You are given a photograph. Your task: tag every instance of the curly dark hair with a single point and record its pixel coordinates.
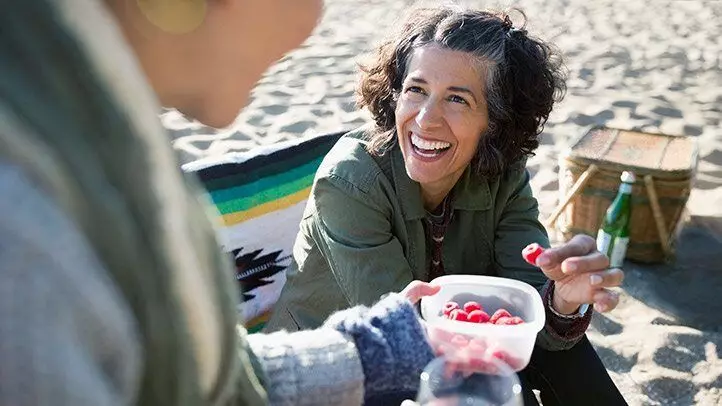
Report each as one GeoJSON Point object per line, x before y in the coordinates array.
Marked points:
{"type": "Point", "coordinates": [524, 78]}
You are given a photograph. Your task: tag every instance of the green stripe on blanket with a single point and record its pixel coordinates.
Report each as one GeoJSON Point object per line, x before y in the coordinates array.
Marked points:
{"type": "Point", "coordinates": [261, 195]}
{"type": "Point", "coordinates": [268, 184]}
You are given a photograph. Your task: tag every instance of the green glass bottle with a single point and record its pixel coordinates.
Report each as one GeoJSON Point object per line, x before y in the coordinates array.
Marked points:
{"type": "Point", "coordinates": [613, 235]}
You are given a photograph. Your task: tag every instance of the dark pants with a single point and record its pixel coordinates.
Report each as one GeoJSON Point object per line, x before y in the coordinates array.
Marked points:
{"type": "Point", "coordinates": [572, 377]}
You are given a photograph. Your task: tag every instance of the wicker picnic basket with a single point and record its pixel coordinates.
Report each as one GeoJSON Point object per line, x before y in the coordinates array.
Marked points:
{"type": "Point", "coordinates": [589, 178]}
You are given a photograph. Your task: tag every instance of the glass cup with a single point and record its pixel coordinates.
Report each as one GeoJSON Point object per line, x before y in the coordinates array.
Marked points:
{"type": "Point", "coordinates": [446, 383]}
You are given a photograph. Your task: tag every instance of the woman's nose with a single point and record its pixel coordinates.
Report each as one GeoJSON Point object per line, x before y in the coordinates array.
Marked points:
{"type": "Point", "coordinates": [429, 116]}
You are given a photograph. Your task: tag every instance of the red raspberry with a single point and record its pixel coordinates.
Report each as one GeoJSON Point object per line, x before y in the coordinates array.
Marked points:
{"type": "Point", "coordinates": [459, 315]}
{"type": "Point", "coordinates": [478, 316]}
{"type": "Point", "coordinates": [459, 341]}
{"type": "Point", "coordinates": [513, 362]}
{"type": "Point", "coordinates": [477, 346]}
{"type": "Point", "coordinates": [471, 306]}
{"type": "Point", "coordinates": [532, 252]}
{"type": "Point", "coordinates": [500, 354]}
{"type": "Point", "coordinates": [499, 314]}
{"type": "Point", "coordinates": [517, 320]}
{"type": "Point", "coordinates": [449, 307]}
{"type": "Point", "coordinates": [509, 321]}
{"type": "Point", "coordinates": [503, 321]}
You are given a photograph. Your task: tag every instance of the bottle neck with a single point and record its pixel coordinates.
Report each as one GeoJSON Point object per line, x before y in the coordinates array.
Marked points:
{"type": "Point", "coordinates": [625, 189]}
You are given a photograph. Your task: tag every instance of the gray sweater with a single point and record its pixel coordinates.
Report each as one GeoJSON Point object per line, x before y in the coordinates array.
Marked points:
{"type": "Point", "coordinates": [67, 336]}
{"type": "Point", "coordinates": [113, 290]}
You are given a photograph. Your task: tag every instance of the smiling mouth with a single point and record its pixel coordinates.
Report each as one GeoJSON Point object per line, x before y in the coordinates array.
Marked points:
{"type": "Point", "coordinates": [428, 149]}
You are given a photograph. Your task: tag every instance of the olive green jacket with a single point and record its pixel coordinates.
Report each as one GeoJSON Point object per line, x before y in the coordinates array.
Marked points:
{"type": "Point", "coordinates": [362, 234]}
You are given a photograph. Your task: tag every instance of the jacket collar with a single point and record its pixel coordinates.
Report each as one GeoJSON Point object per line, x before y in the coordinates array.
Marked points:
{"type": "Point", "coordinates": [470, 192]}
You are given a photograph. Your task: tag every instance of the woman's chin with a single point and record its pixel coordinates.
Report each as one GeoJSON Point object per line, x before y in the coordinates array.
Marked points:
{"type": "Point", "coordinates": [217, 117]}
{"type": "Point", "coordinates": [422, 177]}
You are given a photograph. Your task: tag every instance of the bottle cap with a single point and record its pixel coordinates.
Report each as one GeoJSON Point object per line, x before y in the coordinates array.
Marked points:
{"type": "Point", "coordinates": [628, 177]}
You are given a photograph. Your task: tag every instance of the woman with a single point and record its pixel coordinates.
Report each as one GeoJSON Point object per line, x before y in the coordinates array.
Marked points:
{"type": "Point", "coordinates": [437, 186]}
{"type": "Point", "coordinates": [112, 288]}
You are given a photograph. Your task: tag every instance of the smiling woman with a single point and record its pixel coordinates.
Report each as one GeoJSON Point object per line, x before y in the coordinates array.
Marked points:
{"type": "Point", "coordinates": [438, 186]}
{"type": "Point", "coordinates": [440, 116]}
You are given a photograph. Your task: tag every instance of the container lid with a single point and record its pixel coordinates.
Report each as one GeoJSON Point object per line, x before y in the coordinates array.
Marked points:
{"type": "Point", "coordinates": [645, 153]}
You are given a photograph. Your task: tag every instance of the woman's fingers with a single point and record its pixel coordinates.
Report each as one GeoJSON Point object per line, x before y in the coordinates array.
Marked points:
{"type": "Point", "coordinates": [605, 300]}
{"type": "Point", "coordinates": [415, 290]}
{"type": "Point", "coordinates": [592, 262]}
{"type": "Point", "coordinates": [610, 278]}
{"type": "Point", "coordinates": [579, 246]}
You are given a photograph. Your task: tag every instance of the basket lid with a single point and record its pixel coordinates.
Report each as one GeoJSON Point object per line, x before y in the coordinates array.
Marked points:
{"type": "Point", "coordinates": [640, 151]}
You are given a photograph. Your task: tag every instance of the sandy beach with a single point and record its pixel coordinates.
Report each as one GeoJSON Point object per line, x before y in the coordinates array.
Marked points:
{"type": "Point", "coordinates": [652, 65]}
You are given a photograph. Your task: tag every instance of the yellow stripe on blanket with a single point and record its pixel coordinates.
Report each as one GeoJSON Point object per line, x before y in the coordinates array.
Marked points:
{"type": "Point", "coordinates": [278, 204]}
{"type": "Point", "coordinates": [257, 324]}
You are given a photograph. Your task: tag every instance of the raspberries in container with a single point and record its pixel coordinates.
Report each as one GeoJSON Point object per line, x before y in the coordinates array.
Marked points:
{"type": "Point", "coordinates": [473, 312]}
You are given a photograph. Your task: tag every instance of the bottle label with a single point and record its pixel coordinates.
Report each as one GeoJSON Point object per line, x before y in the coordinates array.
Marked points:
{"type": "Point", "coordinates": [604, 241]}
{"type": "Point", "coordinates": [613, 247]}
{"type": "Point", "coordinates": [619, 251]}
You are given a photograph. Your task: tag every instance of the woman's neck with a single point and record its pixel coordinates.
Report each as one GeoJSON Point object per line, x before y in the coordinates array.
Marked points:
{"type": "Point", "coordinates": [432, 197]}
{"type": "Point", "coordinates": [432, 194]}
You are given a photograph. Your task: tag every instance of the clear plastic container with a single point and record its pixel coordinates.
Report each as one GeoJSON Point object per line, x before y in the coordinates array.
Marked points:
{"type": "Point", "coordinates": [513, 344]}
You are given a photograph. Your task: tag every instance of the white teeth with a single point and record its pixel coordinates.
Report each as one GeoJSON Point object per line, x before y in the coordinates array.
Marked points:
{"type": "Point", "coordinates": [421, 143]}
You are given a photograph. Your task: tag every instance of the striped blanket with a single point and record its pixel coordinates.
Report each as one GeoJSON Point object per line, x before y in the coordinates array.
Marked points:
{"type": "Point", "coordinates": [261, 195]}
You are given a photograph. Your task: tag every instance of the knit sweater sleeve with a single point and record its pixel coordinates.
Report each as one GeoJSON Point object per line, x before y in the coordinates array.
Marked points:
{"type": "Point", "coordinates": [66, 335]}
{"type": "Point", "coordinates": [360, 356]}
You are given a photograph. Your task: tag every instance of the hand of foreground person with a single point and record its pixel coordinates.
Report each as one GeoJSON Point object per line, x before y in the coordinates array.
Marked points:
{"type": "Point", "coordinates": [581, 275]}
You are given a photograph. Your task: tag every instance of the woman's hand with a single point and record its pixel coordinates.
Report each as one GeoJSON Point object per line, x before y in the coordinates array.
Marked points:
{"type": "Point", "coordinates": [415, 290]}
{"type": "Point", "coordinates": [580, 275]}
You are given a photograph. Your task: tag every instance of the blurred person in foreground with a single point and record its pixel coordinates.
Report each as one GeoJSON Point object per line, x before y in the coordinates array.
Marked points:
{"type": "Point", "coordinates": [113, 290]}
{"type": "Point", "coordinates": [438, 185]}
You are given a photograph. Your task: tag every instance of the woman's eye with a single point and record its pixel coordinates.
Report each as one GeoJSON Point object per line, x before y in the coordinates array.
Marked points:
{"type": "Point", "coordinates": [458, 99]}
{"type": "Point", "coordinates": [414, 89]}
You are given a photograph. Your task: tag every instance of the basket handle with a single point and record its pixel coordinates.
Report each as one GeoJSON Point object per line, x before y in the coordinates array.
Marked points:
{"type": "Point", "coordinates": [658, 218]}
{"type": "Point", "coordinates": [576, 188]}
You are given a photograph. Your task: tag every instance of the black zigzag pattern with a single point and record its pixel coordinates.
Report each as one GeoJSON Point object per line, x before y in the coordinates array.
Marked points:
{"type": "Point", "coordinates": [254, 271]}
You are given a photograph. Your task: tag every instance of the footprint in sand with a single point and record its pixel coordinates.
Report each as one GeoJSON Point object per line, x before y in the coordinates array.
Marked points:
{"type": "Point", "coordinates": [682, 352]}
{"type": "Point", "coordinates": [666, 389]}
{"type": "Point", "coordinates": [599, 118]}
{"type": "Point", "coordinates": [667, 112]}
{"type": "Point", "coordinates": [298, 127]}
{"type": "Point", "coordinates": [625, 104]}
{"type": "Point", "coordinates": [693, 130]}
{"type": "Point", "coordinates": [606, 326]}
{"type": "Point", "coordinates": [715, 157]}
{"type": "Point", "coordinates": [274, 109]}
{"type": "Point", "coordinates": [616, 362]}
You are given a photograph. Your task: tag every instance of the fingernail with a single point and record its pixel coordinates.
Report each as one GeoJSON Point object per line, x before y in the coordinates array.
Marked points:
{"type": "Point", "coordinates": [571, 267]}
{"type": "Point", "coordinates": [600, 307]}
{"type": "Point", "coordinates": [595, 279]}
{"type": "Point", "coordinates": [543, 261]}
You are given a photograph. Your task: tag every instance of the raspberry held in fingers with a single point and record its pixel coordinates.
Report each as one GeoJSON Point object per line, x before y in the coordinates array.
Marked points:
{"type": "Point", "coordinates": [532, 252]}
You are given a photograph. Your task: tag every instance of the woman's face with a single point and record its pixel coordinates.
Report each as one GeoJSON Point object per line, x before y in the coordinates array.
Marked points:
{"type": "Point", "coordinates": [203, 57]}
{"type": "Point", "coordinates": [440, 115]}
